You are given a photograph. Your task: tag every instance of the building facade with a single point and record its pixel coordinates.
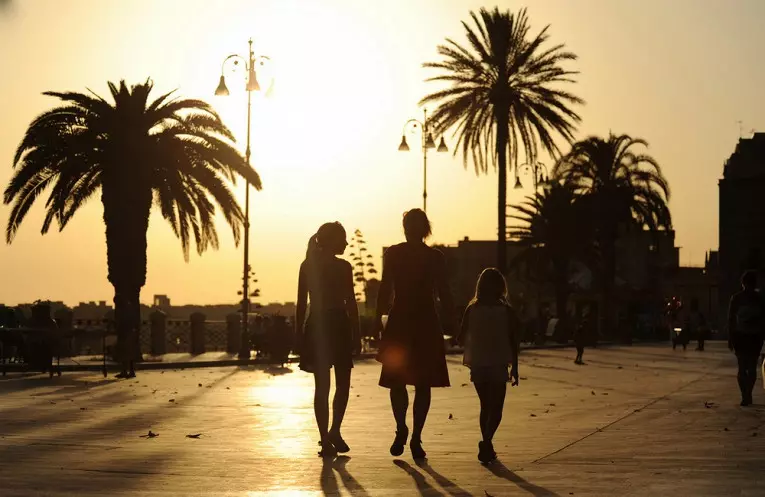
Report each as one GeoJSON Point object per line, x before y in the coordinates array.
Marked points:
{"type": "Point", "coordinates": [742, 215]}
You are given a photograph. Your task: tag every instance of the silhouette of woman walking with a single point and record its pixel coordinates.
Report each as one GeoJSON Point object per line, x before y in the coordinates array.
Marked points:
{"type": "Point", "coordinates": [326, 338]}
{"type": "Point", "coordinates": [412, 346]}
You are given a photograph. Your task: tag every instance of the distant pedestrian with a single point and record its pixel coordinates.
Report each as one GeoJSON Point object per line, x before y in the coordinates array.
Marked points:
{"type": "Point", "coordinates": [326, 338]}
{"type": "Point", "coordinates": [490, 332]}
{"type": "Point", "coordinates": [746, 319]}
{"type": "Point", "coordinates": [695, 324]}
{"type": "Point", "coordinates": [580, 337]}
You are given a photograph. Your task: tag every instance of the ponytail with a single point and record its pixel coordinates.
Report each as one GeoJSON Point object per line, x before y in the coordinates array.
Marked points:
{"type": "Point", "coordinates": [313, 247]}
{"type": "Point", "coordinates": [326, 236]}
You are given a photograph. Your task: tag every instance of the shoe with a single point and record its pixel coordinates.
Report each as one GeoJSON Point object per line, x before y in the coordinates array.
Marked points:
{"type": "Point", "coordinates": [484, 455]}
{"type": "Point", "coordinates": [491, 452]}
{"type": "Point", "coordinates": [131, 374]}
{"type": "Point", "coordinates": [339, 443]}
{"type": "Point", "coordinates": [122, 375]}
{"type": "Point", "coordinates": [328, 451]}
{"type": "Point", "coordinates": [399, 442]}
{"type": "Point", "coordinates": [417, 451]}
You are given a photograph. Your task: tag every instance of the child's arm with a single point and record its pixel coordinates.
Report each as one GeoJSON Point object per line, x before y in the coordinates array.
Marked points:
{"type": "Point", "coordinates": [513, 325]}
{"type": "Point", "coordinates": [464, 326]}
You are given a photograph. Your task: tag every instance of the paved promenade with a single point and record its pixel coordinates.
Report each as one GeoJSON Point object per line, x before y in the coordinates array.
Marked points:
{"type": "Point", "coordinates": [640, 420]}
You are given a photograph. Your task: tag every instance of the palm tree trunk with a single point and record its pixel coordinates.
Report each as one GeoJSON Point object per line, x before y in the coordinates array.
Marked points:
{"type": "Point", "coordinates": [502, 117]}
{"type": "Point", "coordinates": [607, 285]}
{"type": "Point", "coordinates": [127, 316]}
{"type": "Point", "coordinates": [126, 216]}
{"type": "Point", "coordinates": [561, 299]}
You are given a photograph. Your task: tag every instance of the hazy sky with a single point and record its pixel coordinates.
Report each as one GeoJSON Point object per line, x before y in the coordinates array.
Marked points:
{"type": "Point", "coordinates": [347, 74]}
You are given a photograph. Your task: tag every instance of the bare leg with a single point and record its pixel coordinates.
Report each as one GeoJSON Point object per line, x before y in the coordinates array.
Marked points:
{"type": "Point", "coordinates": [399, 402]}
{"type": "Point", "coordinates": [483, 395]}
{"type": "Point", "coordinates": [321, 401]}
{"type": "Point", "coordinates": [340, 400]}
{"type": "Point", "coordinates": [421, 408]}
{"type": "Point", "coordinates": [497, 403]}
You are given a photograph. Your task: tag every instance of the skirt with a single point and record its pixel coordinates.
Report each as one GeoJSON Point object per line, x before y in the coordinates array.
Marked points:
{"type": "Point", "coordinates": [489, 374]}
{"type": "Point", "coordinates": [412, 352]}
{"type": "Point", "coordinates": [328, 341]}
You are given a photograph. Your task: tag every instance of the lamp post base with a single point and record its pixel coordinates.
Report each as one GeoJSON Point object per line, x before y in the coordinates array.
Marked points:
{"type": "Point", "coordinates": [244, 351]}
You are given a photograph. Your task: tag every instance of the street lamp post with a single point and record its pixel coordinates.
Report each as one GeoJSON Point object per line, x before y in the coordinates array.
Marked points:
{"type": "Point", "coordinates": [222, 90]}
{"type": "Point", "coordinates": [538, 179]}
{"type": "Point", "coordinates": [427, 142]}
{"type": "Point", "coordinates": [535, 169]}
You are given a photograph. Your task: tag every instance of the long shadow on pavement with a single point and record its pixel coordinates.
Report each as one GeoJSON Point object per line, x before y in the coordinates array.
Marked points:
{"type": "Point", "coordinates": [327, 479]}
{"type": "Point", "coordinates": [425, 488]}
{"type": "Point", "coordinates": [115, 462]}
{"type": "Point", "coordinates": [452, 488]}
{"type": "Point", "coordinates": [503, 471]}
{"type": "Point", "coordinates": [349, 482]}
{"type": "Point", "coordinates": [22, 382]}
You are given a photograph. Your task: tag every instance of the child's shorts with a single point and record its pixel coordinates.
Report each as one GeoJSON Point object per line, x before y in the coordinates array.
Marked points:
{"type": "Point", "coordinates": [489, 374]}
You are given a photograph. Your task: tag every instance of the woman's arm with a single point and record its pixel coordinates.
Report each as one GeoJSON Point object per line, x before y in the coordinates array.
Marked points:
{"type": "Point", "coordinates": [385, 294]}
{"type": "Point", "coordinates": [445, 295]}
{"type": "Point", "coordinates": [302, 303]}
{"type": "Point", "coordinates": [351, 306]}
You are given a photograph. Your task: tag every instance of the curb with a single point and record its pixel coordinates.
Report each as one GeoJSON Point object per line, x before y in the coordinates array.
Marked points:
{"type": "Point", "coordinates": [147, 366]}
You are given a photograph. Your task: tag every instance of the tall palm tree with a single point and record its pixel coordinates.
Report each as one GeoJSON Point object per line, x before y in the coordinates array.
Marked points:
{"type": "Point", "coordinates": [556, 228]}
{"type": "Point", "coordinates": [628, 190]}
{"type": "Point", "coordinates": [174, 153]}
{"type": "Point", "coordinates": [505, 94]}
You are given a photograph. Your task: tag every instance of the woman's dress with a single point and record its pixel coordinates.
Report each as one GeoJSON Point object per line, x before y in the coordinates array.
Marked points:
{"type": "Point", "coordinates": [412, 345]}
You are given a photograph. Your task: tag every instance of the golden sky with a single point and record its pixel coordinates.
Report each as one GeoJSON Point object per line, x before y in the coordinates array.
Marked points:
{"type": "Point", "coordinates": [348, 74]}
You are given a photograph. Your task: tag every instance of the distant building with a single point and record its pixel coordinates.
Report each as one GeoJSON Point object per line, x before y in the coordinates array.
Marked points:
{"type": "Point", "coordinates": [162, 302]}
{"type": "Point", "coordinates": [699, 284]}
{"type": "Point", "coordinates": [742, 215]}
{"type": "Point", "coordinates": [647, 266]}
{"type": "Point", "coordinates": [91, 310]}
{"type": "Point", "coordinates": [466, 260]}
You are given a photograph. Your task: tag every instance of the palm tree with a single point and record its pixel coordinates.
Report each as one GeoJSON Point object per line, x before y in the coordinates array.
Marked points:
{"type": "Point", "coordinates": [505, 94]}
{"type": "Point", "coordinates": [628, 190]}
{"type": "Point", "coordinates": [174, 153]}
{"type": "Point", "coordinates": [556, 228]}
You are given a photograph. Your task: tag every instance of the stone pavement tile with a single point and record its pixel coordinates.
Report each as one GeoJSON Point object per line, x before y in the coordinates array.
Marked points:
{"type": "Point", "coordinates": [633, 421]}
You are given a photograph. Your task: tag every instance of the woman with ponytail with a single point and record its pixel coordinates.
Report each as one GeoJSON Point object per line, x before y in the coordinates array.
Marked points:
{"type": "Point", "coordinates": [326, 337]}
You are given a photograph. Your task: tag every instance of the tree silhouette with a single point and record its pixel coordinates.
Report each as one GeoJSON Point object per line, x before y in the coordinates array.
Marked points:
{"type": "Point", "coordinates": [505, 94]}
{"type": "Point", "coordinates": [255, 293]}
{"type": "Point", "coordinates": [362, 263]}
{"type": "Point", "coordinates": [556, 229]}
{"type": "Point", "coordinates": [174, 153]}
{"type": "Point", "coordinates": [628, 191]}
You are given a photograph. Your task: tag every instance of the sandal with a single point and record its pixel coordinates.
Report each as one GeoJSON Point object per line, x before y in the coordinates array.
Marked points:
{"type": "Point", "coordinates": [328, 450]}
{"type": "Point", "coordinates": [339, 443]}
{"type": "Point", "coordinates": [417, 451]}
{"type": "Point", "coordinates": [398, 443]}
{"type": "Point", "coordinates": [486, 452]}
